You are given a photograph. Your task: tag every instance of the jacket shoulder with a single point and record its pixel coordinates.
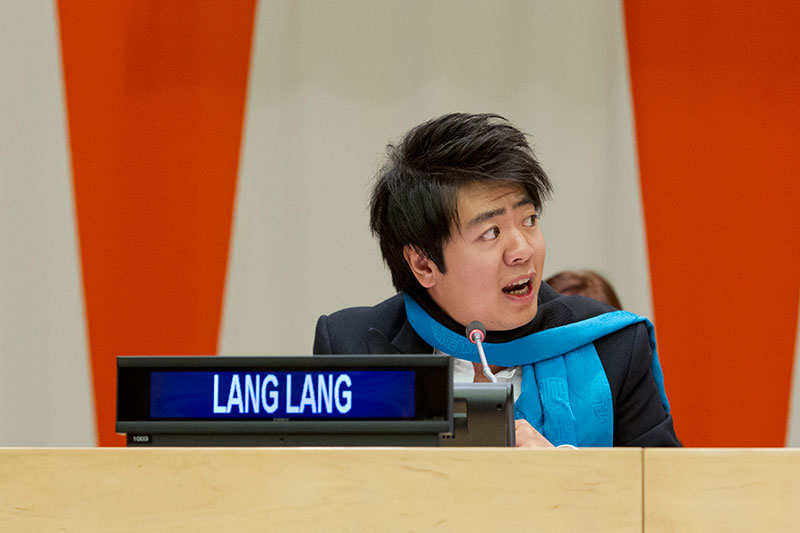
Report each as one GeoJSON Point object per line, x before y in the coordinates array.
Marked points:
{"type": "Point", "coordinates": [345, 331]}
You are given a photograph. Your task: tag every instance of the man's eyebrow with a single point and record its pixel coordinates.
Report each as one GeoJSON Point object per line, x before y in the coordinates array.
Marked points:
{"type": "Point", "coordinates": [486, 215]}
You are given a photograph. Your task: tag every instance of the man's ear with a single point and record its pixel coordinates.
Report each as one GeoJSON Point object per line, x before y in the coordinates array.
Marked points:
{"type": "Point", "coordinates": [423, 268]}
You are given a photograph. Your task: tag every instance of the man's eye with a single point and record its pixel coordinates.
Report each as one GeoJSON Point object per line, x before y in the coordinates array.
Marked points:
{"type": "Point", "coordinates": [531, 220]}
{"type": "Point", "coordinates": [491, 234]}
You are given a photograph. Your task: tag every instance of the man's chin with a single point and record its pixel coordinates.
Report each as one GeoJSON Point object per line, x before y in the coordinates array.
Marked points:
{"type": "Point", "coordinates": [515, 320]}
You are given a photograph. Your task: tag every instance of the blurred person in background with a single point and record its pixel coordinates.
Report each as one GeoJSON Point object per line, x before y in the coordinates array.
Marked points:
{"type": "Point", "coordinates": [585, 283]}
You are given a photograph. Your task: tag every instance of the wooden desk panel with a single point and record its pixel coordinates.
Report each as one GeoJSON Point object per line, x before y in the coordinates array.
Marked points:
{"type": "Point", "coordinates": [247, 489]}
{"type": "Point", "coordinates": [722, 490]}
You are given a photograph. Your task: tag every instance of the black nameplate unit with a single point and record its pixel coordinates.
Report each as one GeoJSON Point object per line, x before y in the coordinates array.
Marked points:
{"type": "Point", "coordinates": [354, 400]}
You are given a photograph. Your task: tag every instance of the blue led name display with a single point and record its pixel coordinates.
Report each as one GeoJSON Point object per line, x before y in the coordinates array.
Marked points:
{"type": "Point", "coordinates": [384, 394]}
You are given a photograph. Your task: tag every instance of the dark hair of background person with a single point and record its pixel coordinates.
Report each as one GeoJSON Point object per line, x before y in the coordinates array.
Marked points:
{"type": "Point", "coordinates": [585, 283]}
{"type": "Point", "coordinates": [415, 197]}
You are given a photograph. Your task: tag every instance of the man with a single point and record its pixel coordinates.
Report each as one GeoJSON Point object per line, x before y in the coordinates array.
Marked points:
{"type": "Point", "coordinates": [455, 210]}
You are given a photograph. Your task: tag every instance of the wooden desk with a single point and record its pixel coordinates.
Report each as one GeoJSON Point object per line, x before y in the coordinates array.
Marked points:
{"type": "Point", "coordinates": [722, 489]}
{"type": "Point", "coordinates": [367, 489]}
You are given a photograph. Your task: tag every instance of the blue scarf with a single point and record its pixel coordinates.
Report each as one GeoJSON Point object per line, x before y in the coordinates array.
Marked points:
{"type": "Point", "coordinates": [565, 392]}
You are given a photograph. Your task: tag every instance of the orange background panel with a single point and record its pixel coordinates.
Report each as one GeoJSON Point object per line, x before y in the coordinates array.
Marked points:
{"type": "Point", "coordinates": [716, 90]}
{"type": "Point", "coordinates": [155, 97]}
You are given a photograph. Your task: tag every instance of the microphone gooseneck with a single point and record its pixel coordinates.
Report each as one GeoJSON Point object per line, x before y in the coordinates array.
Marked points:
{"type": "Point", "coordinates": [476, 332]}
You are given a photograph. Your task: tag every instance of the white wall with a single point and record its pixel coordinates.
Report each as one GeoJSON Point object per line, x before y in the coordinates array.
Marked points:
{"type": "Point", "coordinates": [793, 431]}
{"type": "Point", "coordinates": [45, 394]}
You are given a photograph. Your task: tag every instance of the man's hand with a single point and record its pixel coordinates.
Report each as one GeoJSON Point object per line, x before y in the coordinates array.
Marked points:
{"type": "Point", "coordinates": [527, 437]}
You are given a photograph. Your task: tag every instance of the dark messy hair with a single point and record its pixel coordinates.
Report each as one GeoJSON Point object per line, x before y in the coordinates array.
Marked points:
{"type": "Point", "coordinates": [415, 197]}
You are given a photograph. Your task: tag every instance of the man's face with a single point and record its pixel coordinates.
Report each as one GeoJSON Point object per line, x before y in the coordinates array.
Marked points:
{"type": "Point", "coordinates": [494, 261]}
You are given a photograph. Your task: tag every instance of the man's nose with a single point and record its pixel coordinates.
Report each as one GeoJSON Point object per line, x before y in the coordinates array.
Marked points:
{"type": "Point", "coordinates": [519, 249]}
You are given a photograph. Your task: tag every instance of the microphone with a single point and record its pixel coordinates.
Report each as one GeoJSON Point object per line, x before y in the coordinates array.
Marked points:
{"type": "Point", "coordinates": [476, 332]}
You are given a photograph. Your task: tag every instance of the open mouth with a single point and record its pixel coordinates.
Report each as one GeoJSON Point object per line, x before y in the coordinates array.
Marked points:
{"type": "Point", "coordinates": [519, 288]}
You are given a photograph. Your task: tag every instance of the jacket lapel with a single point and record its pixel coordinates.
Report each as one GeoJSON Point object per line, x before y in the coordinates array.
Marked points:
{"type": "Point", "coordinates": [407, 341]}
